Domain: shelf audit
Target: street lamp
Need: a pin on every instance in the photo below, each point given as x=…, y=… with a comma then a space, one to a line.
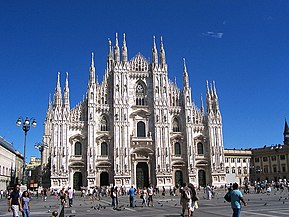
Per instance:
x=25, y=127
x=41, y=147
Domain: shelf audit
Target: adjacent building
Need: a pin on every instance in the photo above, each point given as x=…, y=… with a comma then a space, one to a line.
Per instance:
x=237, y=165
x=135, y=127
x=11, y=164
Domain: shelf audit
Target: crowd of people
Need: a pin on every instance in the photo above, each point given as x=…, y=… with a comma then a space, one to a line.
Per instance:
x=20, y=201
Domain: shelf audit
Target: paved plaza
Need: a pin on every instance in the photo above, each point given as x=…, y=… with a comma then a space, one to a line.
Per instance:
x=272, y=205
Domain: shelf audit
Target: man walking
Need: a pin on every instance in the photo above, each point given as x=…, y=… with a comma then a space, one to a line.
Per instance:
x=14, y=201
x=131, y=193
x=236, y=197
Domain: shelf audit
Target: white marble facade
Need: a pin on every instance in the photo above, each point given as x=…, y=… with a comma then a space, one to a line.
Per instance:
x=136, y=127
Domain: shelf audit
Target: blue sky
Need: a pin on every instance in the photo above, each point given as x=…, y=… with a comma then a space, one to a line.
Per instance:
x=242, y=45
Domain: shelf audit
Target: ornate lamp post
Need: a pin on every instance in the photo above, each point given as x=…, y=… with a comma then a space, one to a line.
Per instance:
x=41, y=147
x=26, y=124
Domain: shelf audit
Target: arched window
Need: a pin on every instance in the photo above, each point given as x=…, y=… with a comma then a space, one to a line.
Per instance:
x=104, y=149
x=78, y=148
x=140, y=94
x=200, y=148
x=103, y=124
x=177, y=148
x=176, y=126
x=141, y=132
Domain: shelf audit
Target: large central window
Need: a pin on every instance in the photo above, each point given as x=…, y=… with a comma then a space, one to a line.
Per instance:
x=140, y=94
x=104, y=149
x=77, y=148
x=141, y=132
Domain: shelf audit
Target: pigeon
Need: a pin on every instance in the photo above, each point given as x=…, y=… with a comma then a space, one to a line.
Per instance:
x=162, y=204
x=176, y=204
x=248, y=199
x=283, y=202
x=265, y=204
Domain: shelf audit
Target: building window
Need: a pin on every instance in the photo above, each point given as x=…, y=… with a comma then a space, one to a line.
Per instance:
x=104, y=149
x=265, y=159
x=200, y=148
x=245, y=170
x=233, y=170
x=258, y=170
x=78, y=148
x=227, y=170
x=176, y=127
x=257, y=159
x=273, y=158
x=244, y=160
x=227, y=160
x=282, y=157
x=103, y=124
x=141, y=129
x=239, y=170
x=140, y=94
x=274, y=168
x=265, y=169
x=177, y=148
x=283, y=168
x=238, y=160
x=232, y=160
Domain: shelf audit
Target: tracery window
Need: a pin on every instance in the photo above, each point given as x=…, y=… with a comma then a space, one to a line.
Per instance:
x=104, y=149
x=200, y=148
x=141, y=132
x=103, y=124
x=140, y=94
x=178, y=148
x=77, y=148
x=176, y=126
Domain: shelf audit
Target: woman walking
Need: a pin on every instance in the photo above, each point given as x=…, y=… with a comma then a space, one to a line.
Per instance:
x=26, y=204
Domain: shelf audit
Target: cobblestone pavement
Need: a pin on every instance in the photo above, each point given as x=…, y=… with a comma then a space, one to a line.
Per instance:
x=275, y=204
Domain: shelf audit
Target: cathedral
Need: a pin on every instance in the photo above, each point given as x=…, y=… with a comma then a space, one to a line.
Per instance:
x=135, y=127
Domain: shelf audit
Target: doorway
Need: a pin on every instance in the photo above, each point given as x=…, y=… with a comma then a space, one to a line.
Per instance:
x=104, y=180
x=179, y=178
x=77, y=181
x=142, y=175
x=202, y=178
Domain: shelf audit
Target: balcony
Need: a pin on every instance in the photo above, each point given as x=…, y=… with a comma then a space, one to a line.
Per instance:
x=137, y=142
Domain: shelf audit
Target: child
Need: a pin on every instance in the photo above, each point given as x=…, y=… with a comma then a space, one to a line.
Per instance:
x=26, y=204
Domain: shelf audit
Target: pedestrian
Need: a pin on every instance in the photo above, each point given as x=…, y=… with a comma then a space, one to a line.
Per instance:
x=144, y=196
x=185, y=199
x=150, y=194
x=236, y=197
x=1, y=193
x=131, y=194
x=62, y=195
x=208, y=192
x=14, y=202
x=194, y=198
x=70, y=196
x=25, y=201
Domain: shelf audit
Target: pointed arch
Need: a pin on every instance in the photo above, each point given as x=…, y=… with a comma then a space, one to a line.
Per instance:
x=176, y=125
x=141, y=93
x=104, y=123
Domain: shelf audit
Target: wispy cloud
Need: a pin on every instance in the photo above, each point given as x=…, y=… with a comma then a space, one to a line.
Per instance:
x=213, y=34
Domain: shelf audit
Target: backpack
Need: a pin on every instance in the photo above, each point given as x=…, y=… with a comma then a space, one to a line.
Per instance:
x=227, y=196
x=187, y=194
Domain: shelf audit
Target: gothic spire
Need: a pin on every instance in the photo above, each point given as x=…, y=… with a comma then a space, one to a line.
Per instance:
x=286, y=133
x=116, y=49
x=185, y=75
x=202, y=104
x=66, y=93
x=57, y=92
x=92, y=70
x=124, y=50
x=162, y=53
x=154, y=52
